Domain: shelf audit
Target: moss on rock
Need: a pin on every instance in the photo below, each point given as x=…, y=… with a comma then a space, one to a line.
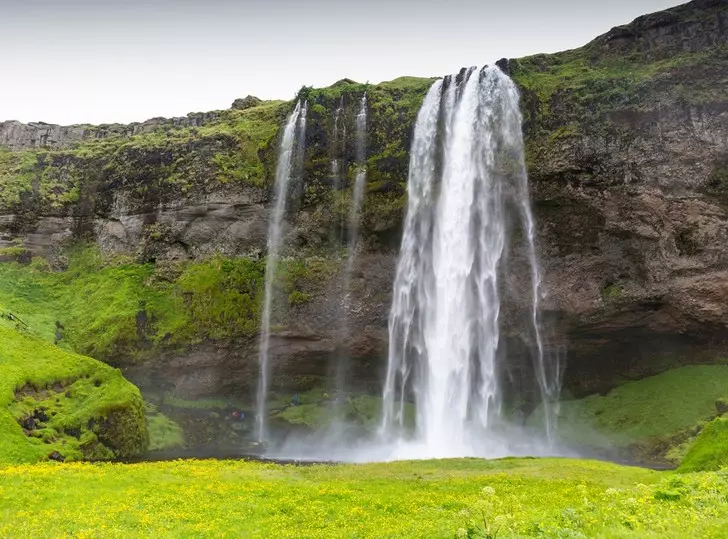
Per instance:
x=54, y=402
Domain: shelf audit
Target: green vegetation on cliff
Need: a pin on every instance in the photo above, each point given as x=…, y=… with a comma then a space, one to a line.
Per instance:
x=53, y=400
x=151, y=166
x=446, y=498
x=117, y=310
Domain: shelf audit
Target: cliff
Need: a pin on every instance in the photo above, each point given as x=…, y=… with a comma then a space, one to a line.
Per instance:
x=627, y=146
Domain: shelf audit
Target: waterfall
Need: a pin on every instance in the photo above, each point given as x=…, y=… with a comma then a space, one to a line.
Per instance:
x=467, y=182
x=357, y=198
x=336, y=146
x=290, y=154
x=360, y=181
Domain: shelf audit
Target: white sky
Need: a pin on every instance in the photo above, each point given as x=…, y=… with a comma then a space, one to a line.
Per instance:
x=98, y=61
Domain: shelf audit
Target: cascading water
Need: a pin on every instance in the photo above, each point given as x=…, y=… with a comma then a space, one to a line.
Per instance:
x=290, y=152
x=467, y=182
x=336, y=146
x=360, y=181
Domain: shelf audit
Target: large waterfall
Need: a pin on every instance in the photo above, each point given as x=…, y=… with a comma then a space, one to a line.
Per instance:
x=467, y=189
x=290, y=152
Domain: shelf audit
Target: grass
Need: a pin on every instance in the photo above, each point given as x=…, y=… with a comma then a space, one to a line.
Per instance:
x=658, y=406
x=450, y=498
x=710, y=449
x=200, y=404
x=163, y=432
x=318, y=410
x=90, y=410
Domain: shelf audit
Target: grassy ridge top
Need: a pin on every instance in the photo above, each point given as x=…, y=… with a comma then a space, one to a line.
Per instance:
x=68, y=403
x=447, y=498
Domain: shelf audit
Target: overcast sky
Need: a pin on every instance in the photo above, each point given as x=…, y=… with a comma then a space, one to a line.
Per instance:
x=78, y=61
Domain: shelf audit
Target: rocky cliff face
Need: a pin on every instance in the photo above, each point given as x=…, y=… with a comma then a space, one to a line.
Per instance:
x=628, y=158
x=19, y=136
x=627, y=170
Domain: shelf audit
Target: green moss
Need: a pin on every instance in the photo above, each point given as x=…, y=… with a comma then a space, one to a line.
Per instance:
x=171, y=400
x=718, y=183
x=81, y=407
x=13, y=252
x=122, y=312
x=213, y=299
x=611, y=291
x=299, y=276
x=297, y=297
x=16, y=175
x=710, y=450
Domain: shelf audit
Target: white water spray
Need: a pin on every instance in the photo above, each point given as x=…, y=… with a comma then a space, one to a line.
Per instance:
x=289, y=154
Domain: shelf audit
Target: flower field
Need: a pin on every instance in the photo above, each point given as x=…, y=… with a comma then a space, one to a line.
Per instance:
x=452, y=498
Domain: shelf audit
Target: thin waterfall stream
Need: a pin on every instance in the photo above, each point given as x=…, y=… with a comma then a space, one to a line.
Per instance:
x=357, y=199
x=290, y=152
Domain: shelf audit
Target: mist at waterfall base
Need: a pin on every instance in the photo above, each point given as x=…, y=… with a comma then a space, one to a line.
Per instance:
x=467, y=194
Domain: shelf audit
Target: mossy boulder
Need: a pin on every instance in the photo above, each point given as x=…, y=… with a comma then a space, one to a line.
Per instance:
x=56, y=404
x=246, y=102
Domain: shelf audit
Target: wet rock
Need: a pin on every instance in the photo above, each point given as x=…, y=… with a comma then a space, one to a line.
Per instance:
x=58, y=457
x=721, y=406
x=29, y=423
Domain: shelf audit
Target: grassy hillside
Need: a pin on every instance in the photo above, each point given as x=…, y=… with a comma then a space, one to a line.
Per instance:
x=452, y=498
x=67, y=403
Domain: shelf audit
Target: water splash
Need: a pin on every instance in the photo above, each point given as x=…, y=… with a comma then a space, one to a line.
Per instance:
x=289, y=155
x=467, y=170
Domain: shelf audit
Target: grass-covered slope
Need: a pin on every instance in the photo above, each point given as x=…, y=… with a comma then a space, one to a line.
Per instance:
x=456, y=498
x=710, y=449
x=52, y=400
x=660, y=405
x=657, y=417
